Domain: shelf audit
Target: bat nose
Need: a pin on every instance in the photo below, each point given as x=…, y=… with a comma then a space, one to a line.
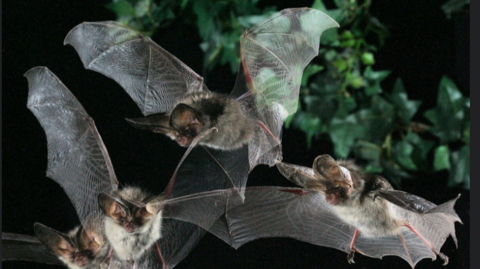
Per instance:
x=80, y=260
x=129, y=227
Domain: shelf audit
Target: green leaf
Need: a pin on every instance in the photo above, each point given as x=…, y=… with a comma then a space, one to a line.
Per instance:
x=449, y=114
x=346, y=104
x=141, y=8
x=310, y=70
x=373, y=80
x=421, y=148
x=367, y=58
x=309, y=124
x=343, y=134
x=460, y=173
x=122, y=8
x=368, y=151
x=442, y=161
x=466, y=133
x=403, y=155
x=405, y=109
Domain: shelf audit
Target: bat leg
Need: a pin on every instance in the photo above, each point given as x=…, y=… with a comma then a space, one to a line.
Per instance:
x=439, y=254
x=352, y=248
x=160, y=256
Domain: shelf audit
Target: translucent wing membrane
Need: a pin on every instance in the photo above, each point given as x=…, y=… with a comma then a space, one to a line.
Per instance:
x=152, y=77
x=274, y=54
x=77, y=157
x=26, y=248
x=306, y=216
x=206, y=169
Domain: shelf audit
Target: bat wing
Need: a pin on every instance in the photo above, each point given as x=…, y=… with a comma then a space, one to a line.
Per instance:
x=435, y=225
x=26, y=248
x=185, y=221
x=274, y=54
x=306, y=216
x=77, y=157
x=152, y=77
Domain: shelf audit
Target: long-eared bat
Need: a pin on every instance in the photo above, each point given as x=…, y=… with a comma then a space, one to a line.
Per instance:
x=340, y=206
x=78, y=248
x=79, y=162
x=177, y=103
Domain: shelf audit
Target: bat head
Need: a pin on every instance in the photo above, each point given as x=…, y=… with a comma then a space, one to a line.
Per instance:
x=188, y=123
x=336, y=179
x=78, y=248
x=131, y=215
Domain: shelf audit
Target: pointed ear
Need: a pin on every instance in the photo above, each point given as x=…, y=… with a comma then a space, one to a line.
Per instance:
x=183, y=115
x=325, y=168
x=55, y=241
x=300, y=175
x=154, y=204
x=88, y=239
x=110, y=207
x=158, y=123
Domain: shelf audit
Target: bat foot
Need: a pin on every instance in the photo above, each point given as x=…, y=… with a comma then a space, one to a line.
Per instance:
x=443, y=257
x=350, y=256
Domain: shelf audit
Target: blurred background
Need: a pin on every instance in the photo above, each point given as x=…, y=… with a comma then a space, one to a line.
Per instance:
x=390, y=88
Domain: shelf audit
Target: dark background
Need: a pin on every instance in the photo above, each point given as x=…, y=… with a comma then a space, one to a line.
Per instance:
x=423, y=46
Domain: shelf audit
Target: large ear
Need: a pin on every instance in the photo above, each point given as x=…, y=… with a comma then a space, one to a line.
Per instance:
x=155, y=204
x=325, y=168
x=158, y=123
x=55, y=241
x=88, y=239
x=184, y=115
x=110, y=206
x=300, y=175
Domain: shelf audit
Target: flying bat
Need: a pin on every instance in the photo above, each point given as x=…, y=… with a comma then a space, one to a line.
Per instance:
x=340, y=206
x=177, y=103
x=79, y=162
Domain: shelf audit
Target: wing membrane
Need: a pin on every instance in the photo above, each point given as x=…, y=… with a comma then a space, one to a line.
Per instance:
x=77, y=157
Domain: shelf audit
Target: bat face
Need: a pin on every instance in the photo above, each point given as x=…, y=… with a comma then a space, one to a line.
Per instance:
x=132, y=224
x=188, y=123
x=77, y=249
x=337, y=180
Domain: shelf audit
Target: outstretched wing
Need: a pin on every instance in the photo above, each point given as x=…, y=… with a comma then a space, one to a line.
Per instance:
x=306, y=216
x=274, y=54
x=77, y=157
x=26, y=248
x=152, y=77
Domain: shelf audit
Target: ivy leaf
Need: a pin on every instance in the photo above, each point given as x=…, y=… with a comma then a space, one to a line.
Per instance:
x=368, y=151
x=141, y=8
x=403, y=155
x=373, y=80
x=378, y=120
x=405, y=109
x=460, y=174
x=309, y=124
x=454, y=6
x=449, y=113
x=123, y=9
x=421, y=148
x=343, y=134
x=309, y=71
x=345, y=105
x=441, y=161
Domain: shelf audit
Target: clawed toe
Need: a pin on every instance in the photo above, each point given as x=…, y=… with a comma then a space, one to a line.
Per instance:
x=443, y=257
x=350, y=256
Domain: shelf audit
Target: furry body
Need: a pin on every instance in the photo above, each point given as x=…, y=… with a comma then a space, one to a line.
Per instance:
x=372, y=217
x=234, y=129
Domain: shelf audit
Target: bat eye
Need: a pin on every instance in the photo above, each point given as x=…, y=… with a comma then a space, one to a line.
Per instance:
x=341, y=192
x=122, y=220
x=89, y=254
x=192, y=132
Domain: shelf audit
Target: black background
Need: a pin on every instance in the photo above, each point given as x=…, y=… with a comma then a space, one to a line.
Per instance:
x=423, y=46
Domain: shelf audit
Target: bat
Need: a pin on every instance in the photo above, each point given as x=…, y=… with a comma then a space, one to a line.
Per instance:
x=79, y=162
x=78, y=248
x=340, y=206
x=177, y=103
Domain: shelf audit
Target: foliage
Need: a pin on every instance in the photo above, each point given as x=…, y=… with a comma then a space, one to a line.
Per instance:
x=342, y=94
x=455, y=6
